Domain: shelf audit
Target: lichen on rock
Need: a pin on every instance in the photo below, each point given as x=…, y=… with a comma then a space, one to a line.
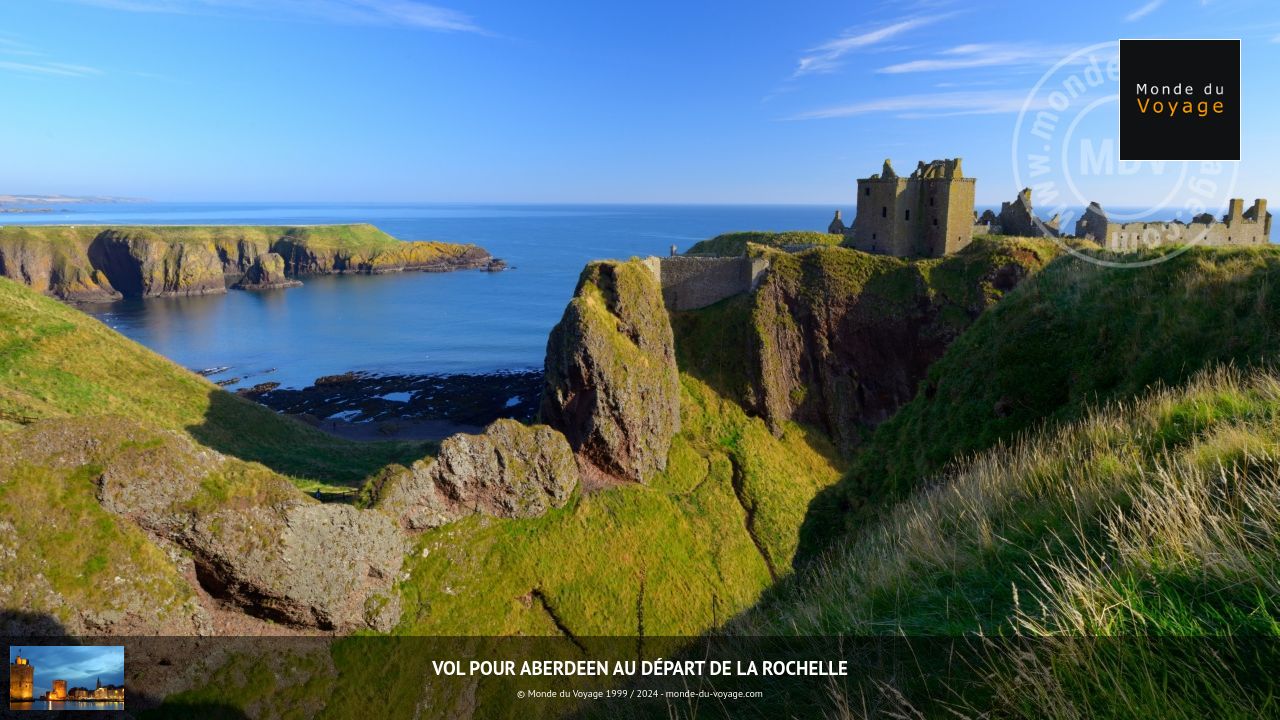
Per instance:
x=266, y=273
x=511, y=470
x=612, y=386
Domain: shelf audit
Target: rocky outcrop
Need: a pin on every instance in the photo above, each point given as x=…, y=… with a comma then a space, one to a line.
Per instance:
x=612, y=386
x=511, y=471
x=266, y=273
x=89, y=264
x=140, y=263
x=253, y=540
x=303, y=256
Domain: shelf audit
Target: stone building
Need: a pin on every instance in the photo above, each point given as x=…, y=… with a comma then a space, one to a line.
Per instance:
x=59, y=690
x=928, y=214
x=22, y=679
x=1237, y=227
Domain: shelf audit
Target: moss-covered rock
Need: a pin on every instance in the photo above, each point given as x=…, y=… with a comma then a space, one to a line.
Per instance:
x=841, y=339
x=249, y=534
x=511, y=470
x=612, y=386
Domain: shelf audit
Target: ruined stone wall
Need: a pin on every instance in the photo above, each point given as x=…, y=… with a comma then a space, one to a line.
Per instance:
x=1238, y=227
x=689, y=283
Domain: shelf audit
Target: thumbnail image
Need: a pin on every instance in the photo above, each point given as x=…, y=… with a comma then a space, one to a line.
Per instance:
x=66, y=677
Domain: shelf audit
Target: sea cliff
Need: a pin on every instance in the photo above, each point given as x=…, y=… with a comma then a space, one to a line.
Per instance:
x=98, y=263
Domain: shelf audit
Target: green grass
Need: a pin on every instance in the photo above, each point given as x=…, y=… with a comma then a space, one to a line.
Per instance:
x=58, y=362
x=1073, y=336
x=735, y=243
x=64, y=544
x=1154, y=517
x=677, y=550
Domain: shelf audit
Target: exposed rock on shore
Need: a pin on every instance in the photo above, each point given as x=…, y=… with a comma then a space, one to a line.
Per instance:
x=511, y=470
x=267, y=273
x=612, y=386
x=90, y=264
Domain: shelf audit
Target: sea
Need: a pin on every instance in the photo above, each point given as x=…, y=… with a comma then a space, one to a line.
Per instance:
x=65, y=705
x=404, y=323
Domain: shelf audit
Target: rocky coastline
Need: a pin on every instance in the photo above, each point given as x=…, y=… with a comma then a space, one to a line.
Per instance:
x=367, y=406
x=101, y=264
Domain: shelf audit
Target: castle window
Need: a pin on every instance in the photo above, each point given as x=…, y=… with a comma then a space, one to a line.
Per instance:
x=931, y=203
x=873, y=237
x=867, y=191
x=884, y=211
x=935, y=222
x=907, y=216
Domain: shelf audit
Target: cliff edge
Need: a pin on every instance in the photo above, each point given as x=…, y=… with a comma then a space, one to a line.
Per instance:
x=95, y=263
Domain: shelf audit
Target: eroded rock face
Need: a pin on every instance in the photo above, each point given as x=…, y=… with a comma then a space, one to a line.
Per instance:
x=142, y=264
x=82, y=263
x=255, y=541
x=511, y=471
x=843, y=340
x=612, y=386
x=266, y=273
x=327, y=566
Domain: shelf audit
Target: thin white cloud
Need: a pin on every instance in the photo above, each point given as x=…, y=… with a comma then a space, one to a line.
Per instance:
x=827, y=56
x=1144, y=11
x=399, y=13
x=927, y=105
x=34, y=62
x=982, y=55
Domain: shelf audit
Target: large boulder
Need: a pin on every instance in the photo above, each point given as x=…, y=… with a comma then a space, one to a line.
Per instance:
x=511, y=471
x=612, y=386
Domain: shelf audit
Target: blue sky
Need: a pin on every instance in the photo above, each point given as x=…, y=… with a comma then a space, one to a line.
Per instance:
x=79, y=665
x=566, y=101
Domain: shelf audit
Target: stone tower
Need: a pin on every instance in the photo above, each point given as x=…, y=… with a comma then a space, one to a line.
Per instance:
x=22, y=676
x=928, y=214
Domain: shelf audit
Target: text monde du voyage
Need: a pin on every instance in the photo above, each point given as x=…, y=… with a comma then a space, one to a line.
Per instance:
x=1180, y=99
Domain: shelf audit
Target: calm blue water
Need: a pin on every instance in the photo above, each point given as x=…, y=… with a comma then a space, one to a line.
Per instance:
x=65, y=705
x=469, y=321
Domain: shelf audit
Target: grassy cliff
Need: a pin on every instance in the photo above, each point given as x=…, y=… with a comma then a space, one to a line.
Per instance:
x=57, y=362
x=1096, y=457
x=94, y=263
x=735, y=243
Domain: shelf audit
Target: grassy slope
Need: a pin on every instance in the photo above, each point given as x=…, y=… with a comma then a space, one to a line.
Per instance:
x=56, y=362
x=735, y=243
x=1148, y=516
x=1078, y=334
x=1151, y=517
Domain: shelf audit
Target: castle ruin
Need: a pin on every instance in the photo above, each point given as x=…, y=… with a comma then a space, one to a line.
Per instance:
x=928, y=214
x=1018, y=219
x=1237, y=227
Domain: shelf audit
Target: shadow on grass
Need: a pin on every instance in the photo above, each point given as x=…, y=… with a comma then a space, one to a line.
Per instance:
x=243, y=429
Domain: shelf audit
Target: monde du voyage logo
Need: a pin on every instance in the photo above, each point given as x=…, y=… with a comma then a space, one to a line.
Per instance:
x=1179, y=99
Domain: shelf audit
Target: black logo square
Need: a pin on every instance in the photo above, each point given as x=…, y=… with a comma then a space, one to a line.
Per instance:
x=1179, y=99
